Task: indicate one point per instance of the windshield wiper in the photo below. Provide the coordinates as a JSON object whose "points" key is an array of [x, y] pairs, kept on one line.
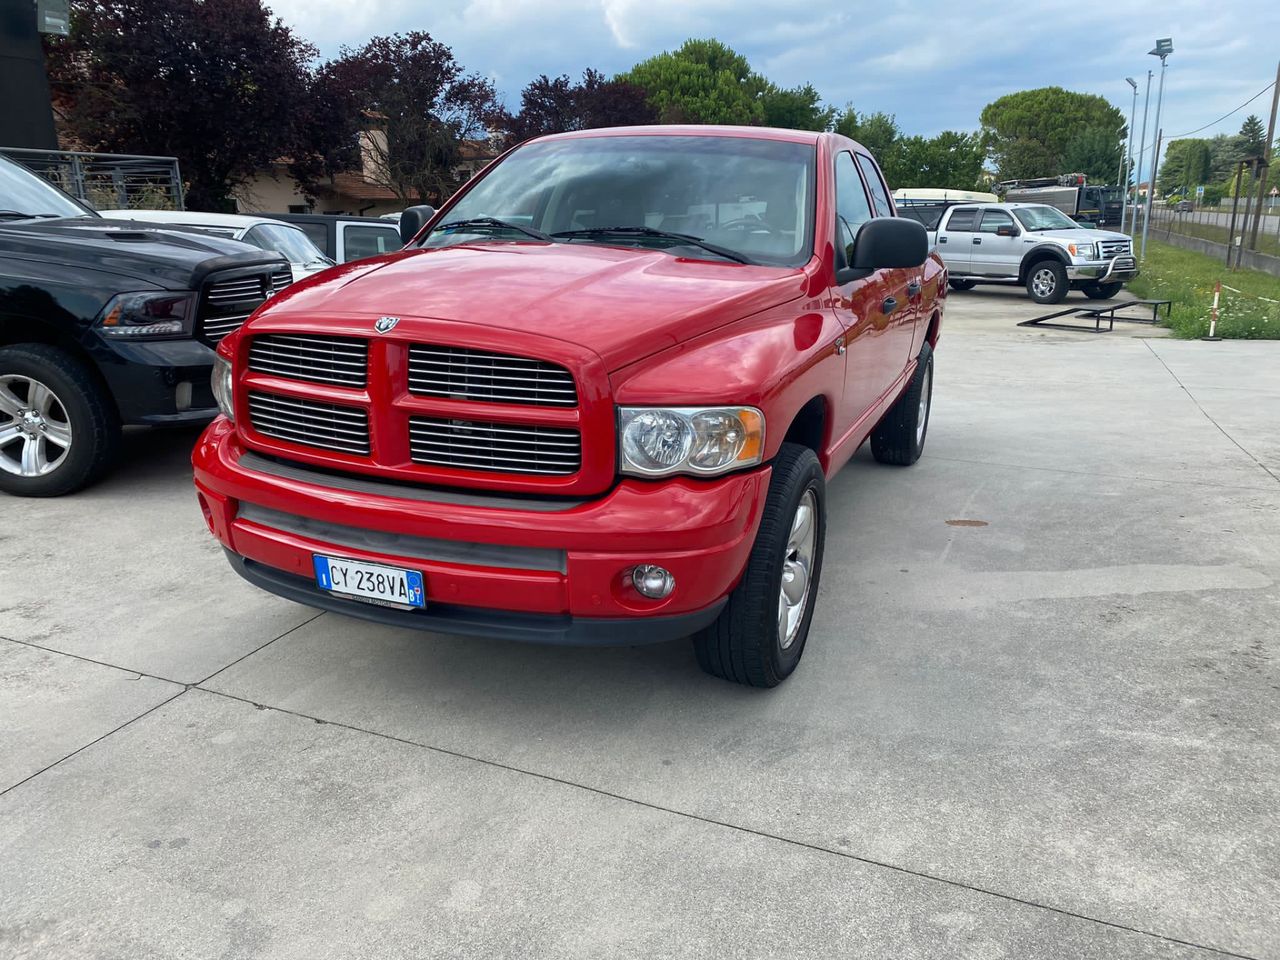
{"points": [[19, 215], [495, 222], [651, 232]]}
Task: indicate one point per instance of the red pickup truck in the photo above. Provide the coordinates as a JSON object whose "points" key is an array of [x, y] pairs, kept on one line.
{"points": [[594, 400]]}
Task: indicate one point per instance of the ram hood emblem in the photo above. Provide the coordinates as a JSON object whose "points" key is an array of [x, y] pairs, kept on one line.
{"points": [[385, 324]]}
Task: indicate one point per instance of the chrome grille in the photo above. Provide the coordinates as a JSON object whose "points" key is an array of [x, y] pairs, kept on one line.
{"points": [[281, 279], [236, 291], [1114, 248], [312, 423], [341, 361], [503, 447], [461, 373]]}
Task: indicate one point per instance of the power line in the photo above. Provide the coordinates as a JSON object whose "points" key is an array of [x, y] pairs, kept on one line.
{"points": [[1178, 136]]}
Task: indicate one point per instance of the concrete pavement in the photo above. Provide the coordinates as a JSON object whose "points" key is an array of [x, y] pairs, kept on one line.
{"points": [[1037, 717]]}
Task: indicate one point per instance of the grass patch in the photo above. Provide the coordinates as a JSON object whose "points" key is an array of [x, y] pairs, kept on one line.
{"points": [[1186, 278]]}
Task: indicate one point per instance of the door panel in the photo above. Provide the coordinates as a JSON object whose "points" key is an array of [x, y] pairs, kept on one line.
{"points": [[994, 255], [955, 239]]}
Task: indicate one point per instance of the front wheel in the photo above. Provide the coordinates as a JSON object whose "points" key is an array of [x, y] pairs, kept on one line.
{"points": [[58, 432], [1101, 291], [1047, 282], [760, 634]]}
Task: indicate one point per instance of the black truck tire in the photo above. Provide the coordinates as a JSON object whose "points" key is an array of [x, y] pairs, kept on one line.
{"points": [[63, 441], [1101, 291], [899, 438], [962, 284], [747, 643]]}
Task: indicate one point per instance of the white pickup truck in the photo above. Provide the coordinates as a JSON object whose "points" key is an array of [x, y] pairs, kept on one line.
{"points": [[1032, 244]]}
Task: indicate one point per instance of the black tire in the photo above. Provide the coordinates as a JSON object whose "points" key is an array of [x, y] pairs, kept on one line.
{"points": [[1101, 291], [962, 284], [899, 438], [94, 425], [744, 644], [1047, 281]]}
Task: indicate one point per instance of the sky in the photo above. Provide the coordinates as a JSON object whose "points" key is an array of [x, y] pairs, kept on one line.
{"points": [[926, 62]]}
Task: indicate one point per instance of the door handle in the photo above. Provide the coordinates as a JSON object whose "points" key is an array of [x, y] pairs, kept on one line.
{"points": [[942, 239], [889, 305], [913, 288], [977, 239]]}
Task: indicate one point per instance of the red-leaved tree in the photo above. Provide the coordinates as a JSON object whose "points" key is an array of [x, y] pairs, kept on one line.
{"points": [[557, 105]]}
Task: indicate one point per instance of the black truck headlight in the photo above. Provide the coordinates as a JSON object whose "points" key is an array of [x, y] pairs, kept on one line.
{"points": [[148, 316]]}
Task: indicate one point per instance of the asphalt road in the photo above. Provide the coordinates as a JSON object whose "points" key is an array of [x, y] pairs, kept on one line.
{"points": [[1039, 715]]}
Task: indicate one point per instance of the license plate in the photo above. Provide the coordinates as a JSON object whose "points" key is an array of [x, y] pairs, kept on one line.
{"points": [[371, 582]]}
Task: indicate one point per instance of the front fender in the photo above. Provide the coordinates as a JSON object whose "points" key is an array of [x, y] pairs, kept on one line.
{"points": [[1038, 252], [778, 361]]}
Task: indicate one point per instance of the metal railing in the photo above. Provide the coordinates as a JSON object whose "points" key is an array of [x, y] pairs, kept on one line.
{"points": [[107, 181]]}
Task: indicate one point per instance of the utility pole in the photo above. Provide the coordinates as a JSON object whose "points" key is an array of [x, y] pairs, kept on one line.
{"points": [[1162, 49], [1266, 161], [1235, 205], [1127, 165], [1142, 152]]}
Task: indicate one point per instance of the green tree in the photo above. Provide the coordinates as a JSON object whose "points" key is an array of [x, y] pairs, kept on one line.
{"points": [[702, 82], [797, 108], [1254, 135], [1095, 153], [950, 159], [1030, 131]]}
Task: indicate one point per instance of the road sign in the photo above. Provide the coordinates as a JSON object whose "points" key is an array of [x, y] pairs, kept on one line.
{"points": [[1200, 190], [1275, 192], [53, 16]]}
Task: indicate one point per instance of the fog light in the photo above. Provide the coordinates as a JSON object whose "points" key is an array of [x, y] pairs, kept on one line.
{"points": [[653, 581], [182, 396]]}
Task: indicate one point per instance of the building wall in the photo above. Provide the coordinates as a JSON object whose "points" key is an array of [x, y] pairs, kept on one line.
{"points": [[268, 193]]}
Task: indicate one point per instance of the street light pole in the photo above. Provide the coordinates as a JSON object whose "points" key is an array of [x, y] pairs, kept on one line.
{"points": [[1162, 50], [1126, 163], [1142, 153]]}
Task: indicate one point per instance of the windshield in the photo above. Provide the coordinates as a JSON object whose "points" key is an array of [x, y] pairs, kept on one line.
{"points": [[1044, 218], [292, 242], [23, 194], [752, 198]]}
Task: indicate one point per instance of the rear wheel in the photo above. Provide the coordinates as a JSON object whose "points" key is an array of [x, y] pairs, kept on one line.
{"points": [[1101, 291], [962, 284], [760, 635], [58, 432], [1047, 282], [899, 438]]}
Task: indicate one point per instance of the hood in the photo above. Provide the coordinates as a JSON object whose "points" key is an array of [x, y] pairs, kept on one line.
{"points": [[1082, 235], [621, 303], [173, 259]]}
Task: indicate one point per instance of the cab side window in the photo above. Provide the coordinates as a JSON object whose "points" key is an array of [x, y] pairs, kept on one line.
{"points": [[879, 193], [962, 218], [852, 207], [993, 220]]}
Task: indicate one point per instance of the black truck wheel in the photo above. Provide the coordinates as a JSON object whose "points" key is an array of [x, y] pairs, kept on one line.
{"points": [[58, 431], [962, 284], [1101, 291], [899, 438], [1047, 281], [760, 635]]}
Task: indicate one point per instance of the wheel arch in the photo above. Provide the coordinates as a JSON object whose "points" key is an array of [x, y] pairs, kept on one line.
{"points": [[17, 331], [1046, 251]]}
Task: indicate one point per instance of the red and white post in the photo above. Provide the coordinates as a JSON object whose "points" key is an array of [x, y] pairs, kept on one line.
{"points": [[1213, 314]]}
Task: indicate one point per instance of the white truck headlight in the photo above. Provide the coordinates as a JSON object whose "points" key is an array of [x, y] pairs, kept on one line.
{"points": [[1086, 251], [220, 381], [659, 441]]}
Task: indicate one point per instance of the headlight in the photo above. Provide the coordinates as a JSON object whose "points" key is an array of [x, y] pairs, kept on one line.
{"points": [[1086, 251], [658, 441], [148, 316], [222, 391]]}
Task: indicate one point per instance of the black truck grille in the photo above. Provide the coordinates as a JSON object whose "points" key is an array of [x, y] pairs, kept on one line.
{"points": [[341, 361], [312, 423], [506, 448], [461, 373], [226, 304]]}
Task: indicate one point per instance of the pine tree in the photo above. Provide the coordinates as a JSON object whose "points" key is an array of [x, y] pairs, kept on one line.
{"points": [[1255, 136]]}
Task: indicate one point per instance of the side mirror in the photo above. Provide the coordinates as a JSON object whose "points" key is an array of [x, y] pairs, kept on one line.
{"points": [[413, 220], [886, 243], [1006, 230]]}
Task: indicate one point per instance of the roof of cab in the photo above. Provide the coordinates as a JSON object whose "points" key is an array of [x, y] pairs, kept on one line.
{"points": [[690, 130]]}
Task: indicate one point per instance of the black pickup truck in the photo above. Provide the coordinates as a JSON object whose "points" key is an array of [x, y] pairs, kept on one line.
{"points": [[104, 324]]}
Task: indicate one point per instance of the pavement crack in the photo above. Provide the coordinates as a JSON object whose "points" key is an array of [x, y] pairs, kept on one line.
{"points": [[1207, 416], [763, 834], [86, 746], [297, 626], [137, 674]]}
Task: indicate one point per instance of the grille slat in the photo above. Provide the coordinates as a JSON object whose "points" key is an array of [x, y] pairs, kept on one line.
{"points": [[463, 373], [340, 361], [1114, 248], [312, 423], [226, 304], [476, 445]]}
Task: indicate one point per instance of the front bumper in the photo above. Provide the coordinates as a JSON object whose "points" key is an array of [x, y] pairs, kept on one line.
{"points": [[164, 383], [1104, 271], [551, 571]]}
